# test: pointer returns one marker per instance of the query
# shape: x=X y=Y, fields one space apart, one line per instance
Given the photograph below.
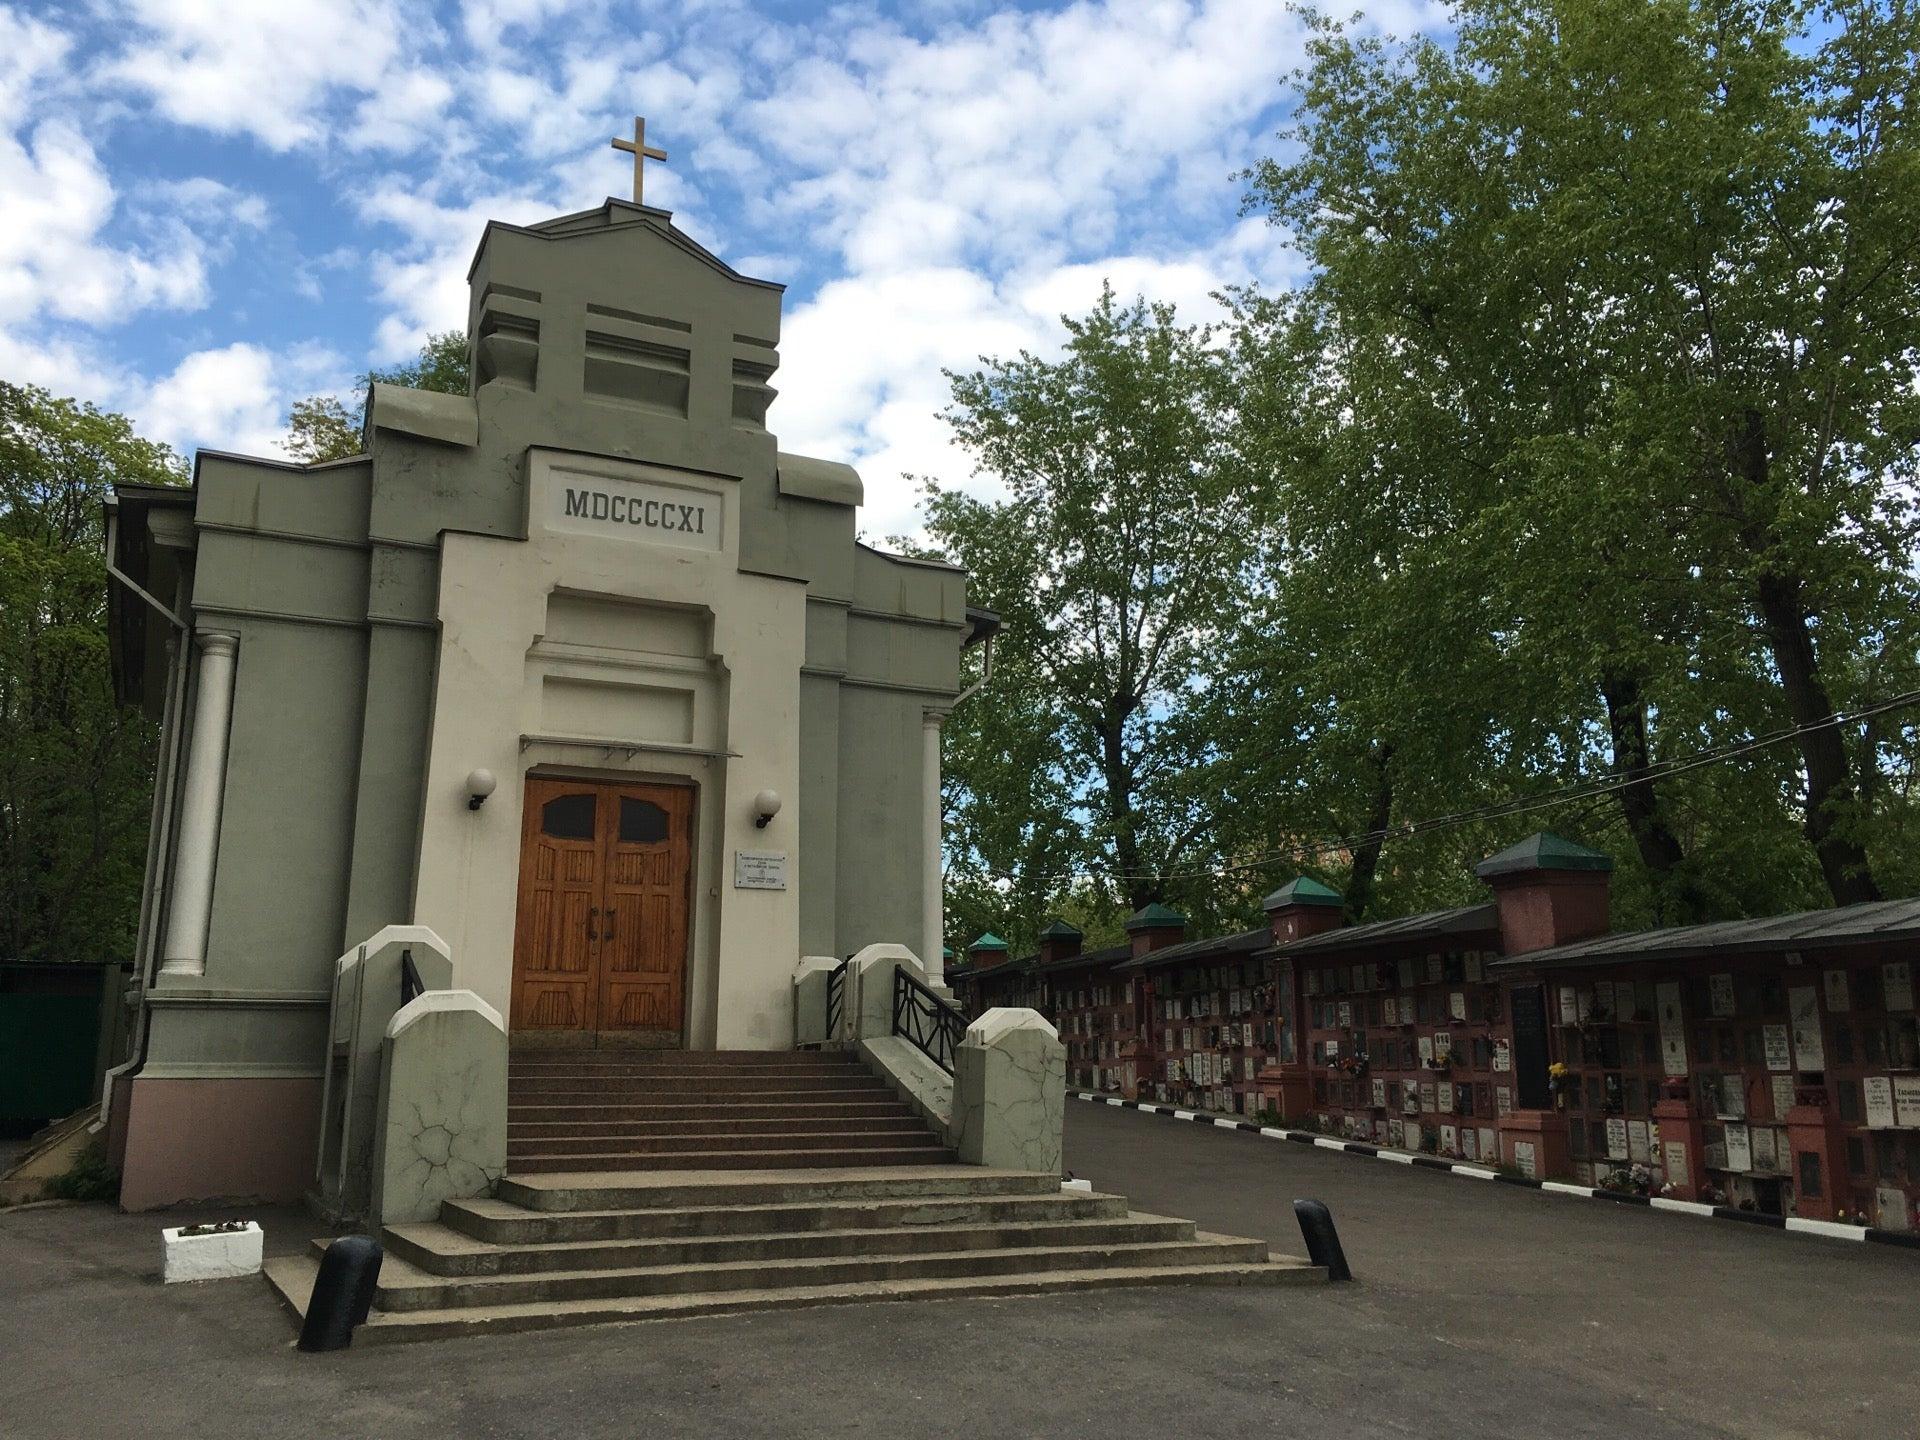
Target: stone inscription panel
x=643 y=510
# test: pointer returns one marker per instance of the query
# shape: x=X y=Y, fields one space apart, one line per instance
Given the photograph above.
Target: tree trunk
x=1139 y=889
x=1366 y=856
x=1678 y=899
x=1832 y=804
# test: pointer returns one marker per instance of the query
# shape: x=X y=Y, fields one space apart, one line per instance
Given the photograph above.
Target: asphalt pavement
x=1479 y=1310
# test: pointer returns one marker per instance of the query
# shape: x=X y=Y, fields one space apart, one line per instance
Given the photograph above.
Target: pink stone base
x=244 y=1138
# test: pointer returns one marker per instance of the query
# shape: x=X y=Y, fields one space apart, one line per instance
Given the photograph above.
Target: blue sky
x=214 y=207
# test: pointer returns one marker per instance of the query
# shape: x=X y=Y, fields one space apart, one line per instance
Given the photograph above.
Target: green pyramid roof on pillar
x=1542 y=850
x=1061 y=930
x=1302 y=892
x=1154 y=917
x=946 y=952
x=987 y=941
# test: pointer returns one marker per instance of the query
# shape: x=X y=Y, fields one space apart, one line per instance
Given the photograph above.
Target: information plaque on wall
x=759 y=870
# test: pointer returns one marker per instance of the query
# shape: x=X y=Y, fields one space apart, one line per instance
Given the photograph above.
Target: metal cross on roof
x=641 y=152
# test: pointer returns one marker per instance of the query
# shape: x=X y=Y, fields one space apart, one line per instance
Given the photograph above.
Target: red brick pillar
x=1295 y=911
x=1682 y=1146
x=1546 y=1132
x=1287 y=1091
x=1813 y=1130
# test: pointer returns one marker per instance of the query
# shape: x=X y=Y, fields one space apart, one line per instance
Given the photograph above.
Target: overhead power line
x=1578 y=790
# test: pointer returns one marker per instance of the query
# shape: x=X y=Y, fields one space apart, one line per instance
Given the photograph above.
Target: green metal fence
x=48 y=1048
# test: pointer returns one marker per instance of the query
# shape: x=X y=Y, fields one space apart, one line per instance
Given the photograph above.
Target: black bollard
x=342 y=1293
x=1323 y=1241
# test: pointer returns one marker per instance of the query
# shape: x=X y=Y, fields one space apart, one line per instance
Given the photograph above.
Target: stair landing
x=604 y=1247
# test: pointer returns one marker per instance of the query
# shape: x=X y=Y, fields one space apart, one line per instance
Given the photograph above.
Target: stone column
x=932 y=897
x=190 y=897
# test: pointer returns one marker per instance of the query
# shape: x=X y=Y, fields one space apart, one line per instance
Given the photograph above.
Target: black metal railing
x=412 y=987
x=933 y=1026
x=836 y=996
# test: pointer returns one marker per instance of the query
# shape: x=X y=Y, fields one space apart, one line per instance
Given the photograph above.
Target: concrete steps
x=579 y=1248
x=630 y=1110
x=926 y=1152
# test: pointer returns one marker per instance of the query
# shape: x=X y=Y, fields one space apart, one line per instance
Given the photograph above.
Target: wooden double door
x=600 y=935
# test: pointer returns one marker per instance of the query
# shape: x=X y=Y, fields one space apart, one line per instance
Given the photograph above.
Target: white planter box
x=220 y=1256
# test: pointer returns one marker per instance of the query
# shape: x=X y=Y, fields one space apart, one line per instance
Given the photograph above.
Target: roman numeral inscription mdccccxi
x=624 y=509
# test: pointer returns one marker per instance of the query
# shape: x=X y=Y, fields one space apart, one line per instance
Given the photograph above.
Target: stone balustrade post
x=443 y=1106
x=1009 y=1092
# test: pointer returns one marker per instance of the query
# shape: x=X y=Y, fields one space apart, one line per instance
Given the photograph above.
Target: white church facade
x=576 y=670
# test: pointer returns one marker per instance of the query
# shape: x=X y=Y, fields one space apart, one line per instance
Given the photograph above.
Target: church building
x=577 y=670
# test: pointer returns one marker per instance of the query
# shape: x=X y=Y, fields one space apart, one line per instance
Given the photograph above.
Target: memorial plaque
x=1392 y=1016
x=1442 y=1044
x=1380 y=1093
x=1469 y=1144
x=1616 y=1138
x=1782 y=1095
x=1639 y=1142
x=1673 y=1029
x=1449 y=1138
x=1475 y=967
x=1443 y=1096
x=1877 y=1092
x=1739 y=1149
x=1457 y=1004
x=1838 y=996
x=1502 y=1055
x=759 y=870
x=1906 y=1101
x=1720 y=991
x=1898 y=976
x=1426 y=1048
x=1891 y=1210
x=1809 y=1043
x=1523 y=1159
x=1733 y=1095
x=1675 y=1152
x=1779 y=1050
x=1428 y=1100
x=1569 y=1005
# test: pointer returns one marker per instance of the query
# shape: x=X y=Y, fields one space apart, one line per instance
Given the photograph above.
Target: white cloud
x=959 y=176
x=861 y=369
x=262 y=68
x=424 y=280
x=235 y=397
x=409 y=111
x=31 y=55
x=52 y=258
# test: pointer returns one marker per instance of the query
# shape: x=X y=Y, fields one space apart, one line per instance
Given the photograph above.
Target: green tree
x=320 y=428
x=1653 y=270
x=1111 y=556
x=75 y=768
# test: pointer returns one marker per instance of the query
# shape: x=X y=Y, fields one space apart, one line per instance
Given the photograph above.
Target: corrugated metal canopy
x=1879 y=921
x=1223 y=947
x=1433 y=925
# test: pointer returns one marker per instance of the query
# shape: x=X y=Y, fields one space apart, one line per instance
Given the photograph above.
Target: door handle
x=612 y=914
x=593 y=912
